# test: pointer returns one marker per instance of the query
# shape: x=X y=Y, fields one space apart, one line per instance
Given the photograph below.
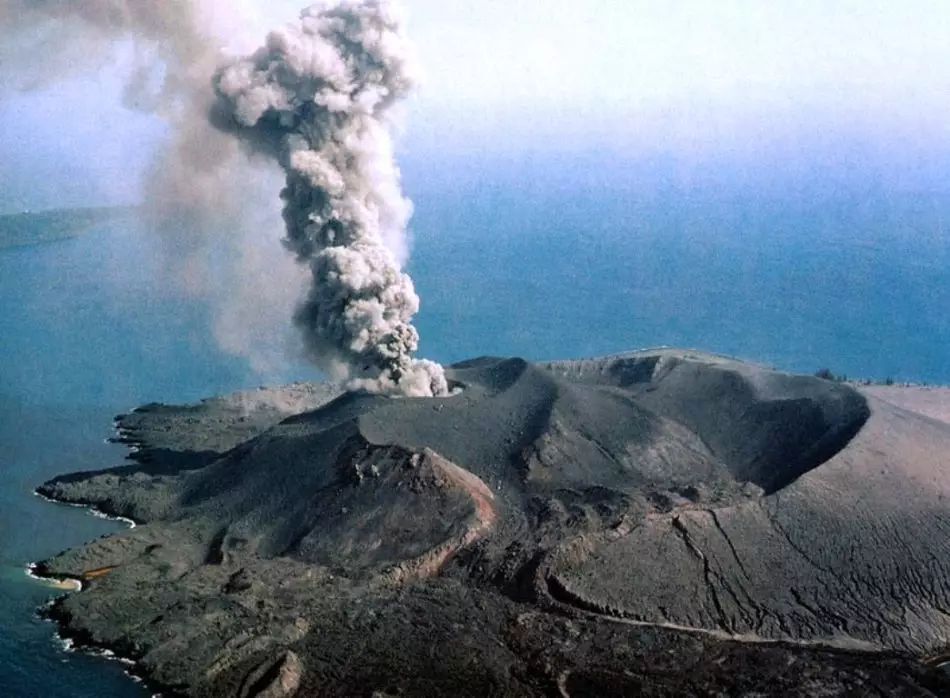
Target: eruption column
x=316 y=98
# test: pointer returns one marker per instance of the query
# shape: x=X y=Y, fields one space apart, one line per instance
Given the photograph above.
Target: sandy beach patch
x=65 y=584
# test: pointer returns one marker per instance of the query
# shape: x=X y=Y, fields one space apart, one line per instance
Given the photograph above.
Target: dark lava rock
x=658 y=523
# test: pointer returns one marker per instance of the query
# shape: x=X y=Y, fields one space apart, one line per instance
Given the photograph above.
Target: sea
x=520 y=264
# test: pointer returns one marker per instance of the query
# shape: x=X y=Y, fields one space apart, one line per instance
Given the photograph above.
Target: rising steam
x=316 y=101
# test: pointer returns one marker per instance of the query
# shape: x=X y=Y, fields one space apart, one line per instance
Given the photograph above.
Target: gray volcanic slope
x=572 y=528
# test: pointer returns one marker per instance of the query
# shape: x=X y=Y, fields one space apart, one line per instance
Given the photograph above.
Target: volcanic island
x=656 y=523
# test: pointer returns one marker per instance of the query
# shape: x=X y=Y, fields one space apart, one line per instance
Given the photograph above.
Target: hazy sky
x=842 y=84
x=692 y=74
x=621 y=56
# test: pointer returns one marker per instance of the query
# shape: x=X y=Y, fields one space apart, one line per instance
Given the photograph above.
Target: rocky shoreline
x=573 y=528
x=77 y=641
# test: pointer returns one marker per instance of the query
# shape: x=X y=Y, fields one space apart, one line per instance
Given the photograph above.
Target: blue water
x=85 y=333
x=857 y=285
x=543 y=265
x=34 y=447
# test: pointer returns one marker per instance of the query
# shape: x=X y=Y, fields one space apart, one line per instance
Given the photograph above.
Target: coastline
x=288 y=640
x=77 y=641
x=70 y=639
x=256 y=407
x=93 y=509
x=63 y=584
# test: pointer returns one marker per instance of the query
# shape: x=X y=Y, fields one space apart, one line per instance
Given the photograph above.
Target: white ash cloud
x=320 y=113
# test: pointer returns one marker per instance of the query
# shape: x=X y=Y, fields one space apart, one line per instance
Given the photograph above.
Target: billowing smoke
x=316 y=98
x=316 y=101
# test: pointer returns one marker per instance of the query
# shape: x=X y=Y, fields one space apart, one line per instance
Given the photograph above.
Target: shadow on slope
x=768 y=428
x=331 y=483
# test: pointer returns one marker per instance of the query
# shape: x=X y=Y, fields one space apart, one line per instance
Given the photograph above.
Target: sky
x=847 y=90
x=610 y=58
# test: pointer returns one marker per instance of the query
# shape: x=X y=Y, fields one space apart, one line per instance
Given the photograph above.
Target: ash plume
x=313 y=104
x=317 y=98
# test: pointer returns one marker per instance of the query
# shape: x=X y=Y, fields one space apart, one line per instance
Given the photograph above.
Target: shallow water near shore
x=32 y=660
x=85 y=334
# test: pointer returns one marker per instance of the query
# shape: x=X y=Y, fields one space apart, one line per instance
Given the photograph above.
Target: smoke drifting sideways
x=316 y=99
x=320 y=113
x=208 y=244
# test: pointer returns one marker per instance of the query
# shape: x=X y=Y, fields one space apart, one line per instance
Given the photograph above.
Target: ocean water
x=856 y=282
x=85 y=333
x=523 y=265
x=37 y=443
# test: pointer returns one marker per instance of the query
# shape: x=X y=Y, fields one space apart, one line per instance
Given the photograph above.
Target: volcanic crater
x=585 y=527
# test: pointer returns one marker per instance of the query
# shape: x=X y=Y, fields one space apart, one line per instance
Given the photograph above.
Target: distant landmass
x=37 y=227
x=658 y=523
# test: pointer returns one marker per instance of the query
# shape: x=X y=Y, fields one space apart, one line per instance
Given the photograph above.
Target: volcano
x=584 y=527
